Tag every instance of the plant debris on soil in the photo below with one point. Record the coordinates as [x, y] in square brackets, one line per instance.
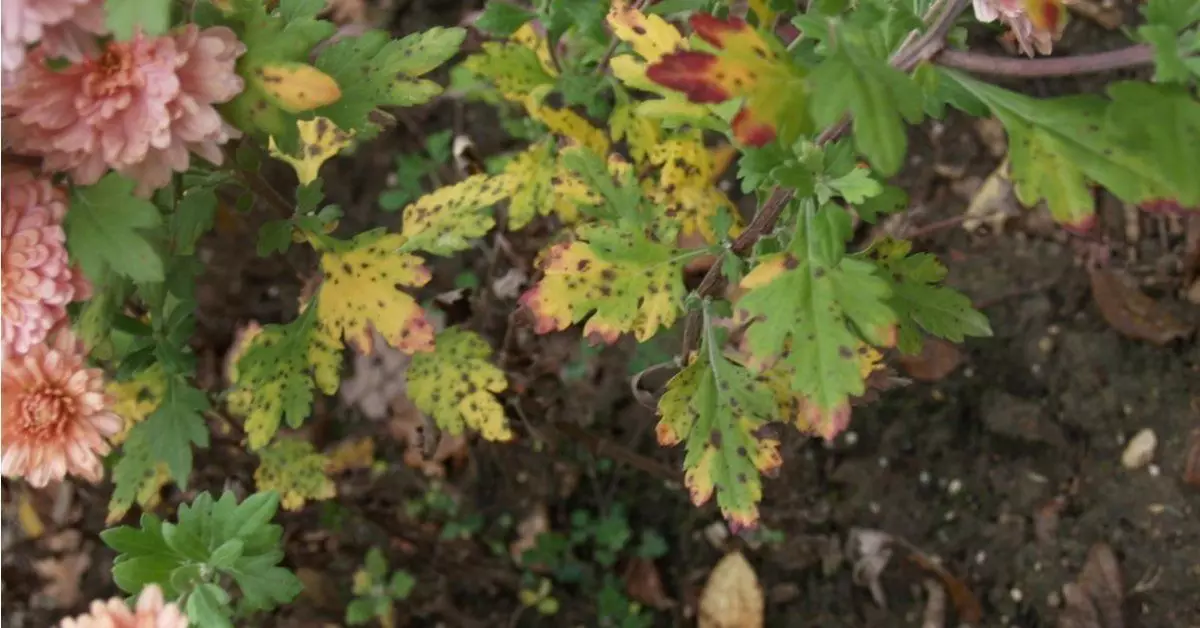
[993, 482]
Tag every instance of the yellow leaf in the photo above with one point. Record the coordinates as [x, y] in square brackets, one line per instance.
[148, 496]
[650, 35]
[296, 471]
[27, 516]
[569, 124]
[732, 598]
[136, 399]
[540, 184]
[364, 288]
[456, 385]
[445, 220]
[320, 139]
[686, 189]
[297, 87]
[639, 296]
[528, 37]
[356, 453]
[641, 133]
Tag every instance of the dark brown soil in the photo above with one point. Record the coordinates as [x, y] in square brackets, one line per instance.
[1007, 471]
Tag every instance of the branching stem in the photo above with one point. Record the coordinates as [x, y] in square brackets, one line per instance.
[1131, 57]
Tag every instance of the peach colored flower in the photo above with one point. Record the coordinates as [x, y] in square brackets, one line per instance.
[65, 28]
[55, 414]
[139, 107]
[38, 282]
[151, 611]
[1013, 13]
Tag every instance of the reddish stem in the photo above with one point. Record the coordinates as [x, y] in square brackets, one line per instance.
[1131, 57]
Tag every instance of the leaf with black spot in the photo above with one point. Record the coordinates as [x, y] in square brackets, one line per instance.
[457, 385]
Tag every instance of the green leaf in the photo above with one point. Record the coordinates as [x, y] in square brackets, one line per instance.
[401, 585]
[124, 17]
[1163, 121]
[133, 574]
[360, 611]
[879, 97]
[376, 564]
[920, 302]
[502, 19]
[1058, 144]
[227, 554]
[208, 606]
[267, 588]
[585, 17]
[166, 436]
[375, 71]
[193, 217]
[251, 515]
[815, 309]
[720, 410]
[274, 236]
[107, 229]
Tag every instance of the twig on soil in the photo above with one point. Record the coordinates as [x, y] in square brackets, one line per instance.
[1132, 57]
[905, 59]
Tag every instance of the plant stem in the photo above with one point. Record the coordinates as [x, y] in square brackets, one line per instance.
[1130, 57]
[909, 55]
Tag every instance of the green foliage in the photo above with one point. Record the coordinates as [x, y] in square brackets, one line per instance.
[212, 542]
[1171, 27]
[124, 17]
[108, 228]
[413, 169]
[375, 592]
[502, 19]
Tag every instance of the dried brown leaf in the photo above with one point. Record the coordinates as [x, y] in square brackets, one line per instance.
[938, 359]
[1131, 312]
[1191, 467]
[528, 531]
[732, 598]
[62, 576]
[643, 584]
[1094, 600]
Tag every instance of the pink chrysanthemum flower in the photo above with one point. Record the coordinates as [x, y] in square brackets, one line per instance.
[56, 416]
[38, 282]
[65, 28]
[151, 611]
[139, 107]
[1013, 13]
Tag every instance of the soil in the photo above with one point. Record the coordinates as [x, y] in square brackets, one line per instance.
[1005, 472]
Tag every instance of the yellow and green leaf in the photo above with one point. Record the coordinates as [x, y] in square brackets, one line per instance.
[320, 139]
[639, 293]
[457, 385]
[296, 87]
[721, 411]
[365, 288]
[538, 183]
[295, 470]
[746, 65]
[444, 220]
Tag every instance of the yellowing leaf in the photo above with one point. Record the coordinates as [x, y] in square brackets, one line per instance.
[539, 184]
[721, 411]
[356, 453]
[686, 190]
[456, 385]
[296, 87]
[641, 133]
[272, 379]
[444, 220]
[745, 65]
[518, 68]
[732, 597]
[571, 125]
[650, 35]
[528, 37]
[364, 288]
[135, 399]
[296, 471]
[320, 139]
[640, 293]
[807, 417]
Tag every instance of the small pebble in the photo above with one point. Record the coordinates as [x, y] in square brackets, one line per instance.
[1046, 344]
[1016, 595]
[954, 486]
[851, 439]
[924, 477]
[1140, 450]
[883, 462]
[1153, 470]
[980, 557]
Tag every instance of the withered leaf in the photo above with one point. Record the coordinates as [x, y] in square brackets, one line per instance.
[1131, 312]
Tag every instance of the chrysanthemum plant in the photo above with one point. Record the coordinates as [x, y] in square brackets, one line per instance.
[131, 125]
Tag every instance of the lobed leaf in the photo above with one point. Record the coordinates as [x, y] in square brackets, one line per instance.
[721, 411]
[456, 385]
[109, 228]
[538, 183]
[365, 288]
[745, 65]
[811, 303]
[296, 471]
[320, 139]
[640, 293]
[443, 221]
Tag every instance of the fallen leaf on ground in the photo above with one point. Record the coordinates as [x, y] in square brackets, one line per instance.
[27, 516]
[643, 584]
[1129, 311]
[993, 203]
[870, 550]
[378, 379]
[62, 576]
[1094, 599]
[732, 598]
[937, 359]
[1191, 468]
[355, 453]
